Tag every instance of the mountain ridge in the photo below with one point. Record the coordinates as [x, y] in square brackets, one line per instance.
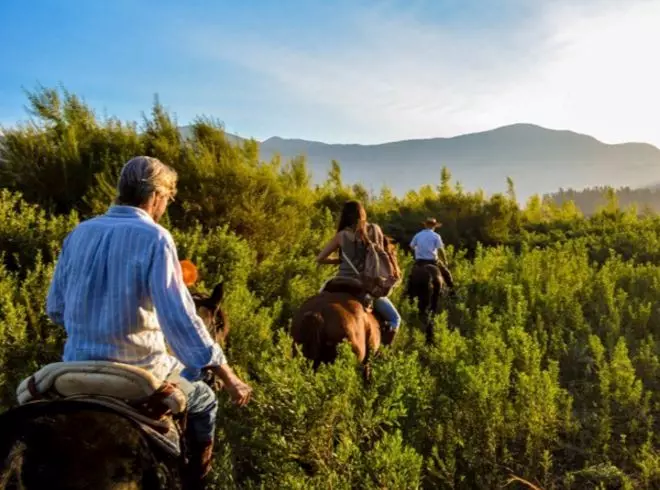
[513, 126]
[540, 160]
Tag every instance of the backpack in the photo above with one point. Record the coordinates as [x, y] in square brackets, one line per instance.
[381, 270]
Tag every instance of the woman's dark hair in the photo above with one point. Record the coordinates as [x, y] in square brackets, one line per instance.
[353, 216]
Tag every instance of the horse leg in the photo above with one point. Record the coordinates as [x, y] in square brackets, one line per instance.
[358, 337]
[372, 344]
[366, 366]
[435, 295]
[358, 345]
[10, 476]
[422, 302]
[429, 330]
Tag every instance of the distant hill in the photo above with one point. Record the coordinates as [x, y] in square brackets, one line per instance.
[186, 132]
[539, 160]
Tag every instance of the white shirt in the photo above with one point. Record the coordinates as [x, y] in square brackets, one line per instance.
[118, 291]
[426, 244]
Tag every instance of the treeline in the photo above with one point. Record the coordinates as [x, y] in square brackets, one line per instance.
[546, 368]
[591, 200]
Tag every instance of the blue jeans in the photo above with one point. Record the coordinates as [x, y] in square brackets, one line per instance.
[386, 309]
[202, 407]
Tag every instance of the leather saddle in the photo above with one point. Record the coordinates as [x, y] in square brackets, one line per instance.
[159, 408]
[349, 285]
[355, 288]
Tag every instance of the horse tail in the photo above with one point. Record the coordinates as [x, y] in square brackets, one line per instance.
[11, 475]
[435, 279]
[312, 333]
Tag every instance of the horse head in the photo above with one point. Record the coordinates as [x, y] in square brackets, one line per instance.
[209, 308]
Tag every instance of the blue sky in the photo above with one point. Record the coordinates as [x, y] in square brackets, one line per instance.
[360, 71]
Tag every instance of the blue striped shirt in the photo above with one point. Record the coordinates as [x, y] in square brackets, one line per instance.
[118, 291]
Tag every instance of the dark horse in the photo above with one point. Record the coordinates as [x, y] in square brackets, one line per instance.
[426, 284]
[336, 314]
[65, 444]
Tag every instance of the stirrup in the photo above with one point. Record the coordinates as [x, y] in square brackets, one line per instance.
[368, 303]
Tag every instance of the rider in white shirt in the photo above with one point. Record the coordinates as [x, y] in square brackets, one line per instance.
[118, 290]
[426, 244]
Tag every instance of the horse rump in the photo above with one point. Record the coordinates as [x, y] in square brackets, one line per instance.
[425, 284]
[311, 333]
[62, 445]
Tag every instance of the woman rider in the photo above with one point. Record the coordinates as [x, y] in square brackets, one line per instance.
[350, 239]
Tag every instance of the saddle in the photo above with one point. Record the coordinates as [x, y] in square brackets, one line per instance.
[352, 286]
[157, 408]
[426, 263]
[355, 288]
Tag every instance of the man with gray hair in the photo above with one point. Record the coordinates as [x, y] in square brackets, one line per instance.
[118, 291]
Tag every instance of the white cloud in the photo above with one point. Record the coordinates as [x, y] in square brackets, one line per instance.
[587, 67]
[602, 76]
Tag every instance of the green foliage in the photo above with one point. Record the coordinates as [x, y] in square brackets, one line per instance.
[547, 368]
[27, 337]
[26, 231]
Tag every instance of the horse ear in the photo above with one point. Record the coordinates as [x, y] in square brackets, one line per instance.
[217, 294]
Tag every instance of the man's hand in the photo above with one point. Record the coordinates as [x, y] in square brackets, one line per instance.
[239, 391]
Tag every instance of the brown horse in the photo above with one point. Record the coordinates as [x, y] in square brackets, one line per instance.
[63, 444]
[336, 314]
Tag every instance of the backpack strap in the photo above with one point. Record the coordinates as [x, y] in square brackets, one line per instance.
[377, 235]
[350, 263]
[370, 227]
